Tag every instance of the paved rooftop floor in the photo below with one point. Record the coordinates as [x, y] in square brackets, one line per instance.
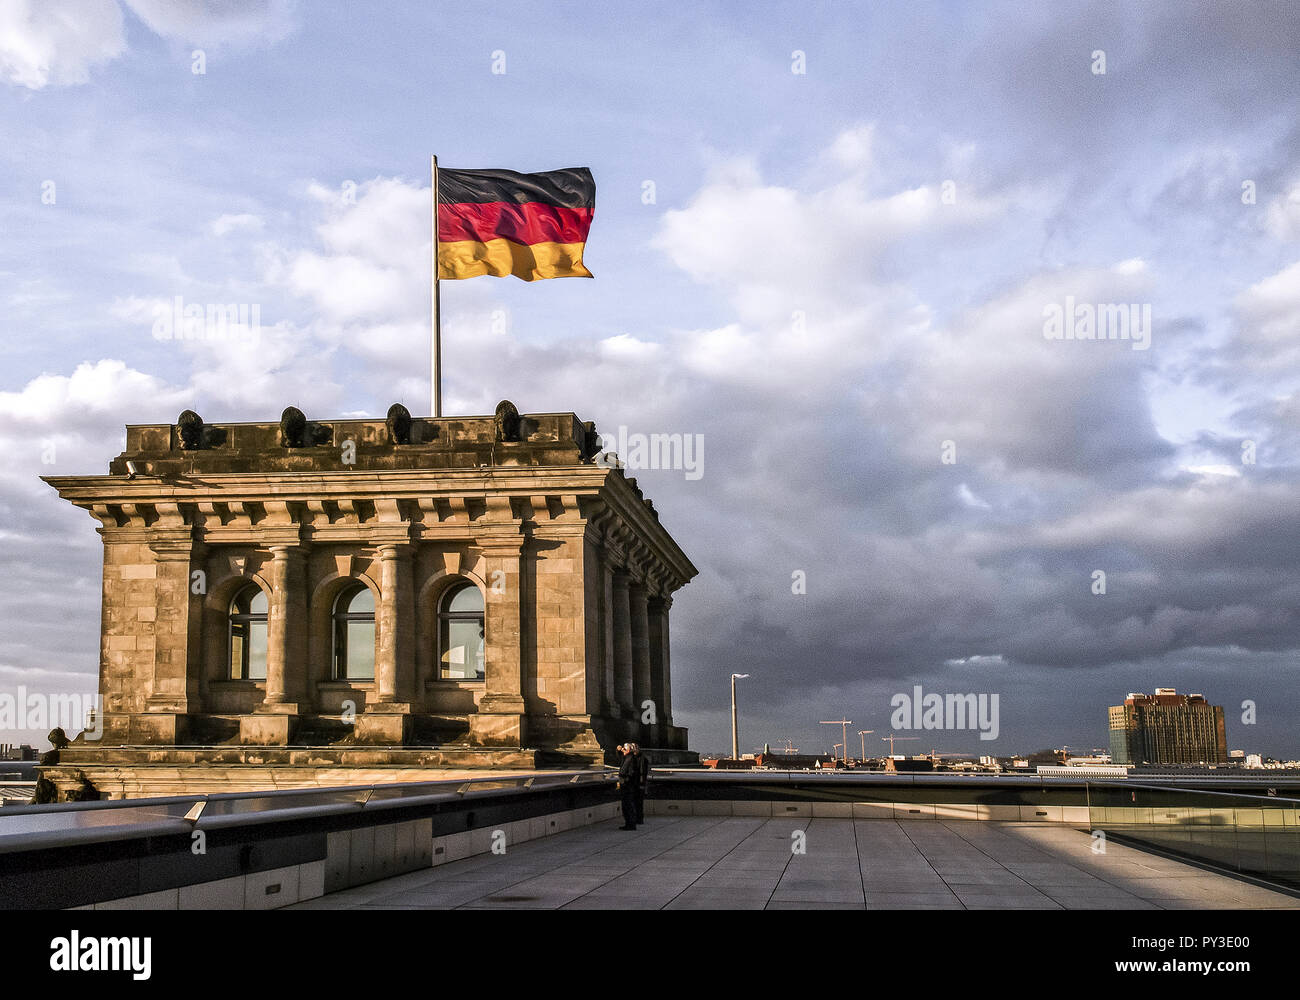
[700, 862]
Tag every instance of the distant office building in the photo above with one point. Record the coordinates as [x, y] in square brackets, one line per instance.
[1167, 728]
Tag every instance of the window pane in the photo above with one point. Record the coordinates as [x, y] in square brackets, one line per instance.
[462, 657]
[238, 637]
[250, 600]
[257, 651]
[360, 650]
[360, 602]
[466, 598]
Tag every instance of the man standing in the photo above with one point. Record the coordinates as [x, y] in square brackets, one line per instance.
[642, 779]
[629, 778]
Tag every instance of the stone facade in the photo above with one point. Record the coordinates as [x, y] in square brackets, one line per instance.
[575, 572]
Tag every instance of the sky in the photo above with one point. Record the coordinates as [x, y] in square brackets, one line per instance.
[828, 240]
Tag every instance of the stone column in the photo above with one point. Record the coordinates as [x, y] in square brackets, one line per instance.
[622, 622]
[641, 687]
[386, 626]
[609, 684]
[387, 720]
[660, 678]
[276, 626]
[501, 716]
[172, 692]
[275, 720]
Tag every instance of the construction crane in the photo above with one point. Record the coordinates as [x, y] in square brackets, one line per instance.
[863, 734]
[845, 723]
[891, 738]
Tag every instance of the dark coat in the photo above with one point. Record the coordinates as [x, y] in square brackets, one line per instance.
[629, 775]
[642, 769]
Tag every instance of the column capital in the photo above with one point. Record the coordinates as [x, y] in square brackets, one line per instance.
[175, 548]
[500, 547]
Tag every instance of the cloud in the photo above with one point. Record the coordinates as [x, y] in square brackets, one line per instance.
[1282, 217]
[218, 22]
[59, 42]
[46, 42]
[224, 224]
[775, 249]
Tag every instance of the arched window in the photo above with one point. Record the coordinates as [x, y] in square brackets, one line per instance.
[354, 634]
[460, 633]
[248, 634]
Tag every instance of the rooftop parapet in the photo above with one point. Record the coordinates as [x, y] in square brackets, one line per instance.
[299, 444]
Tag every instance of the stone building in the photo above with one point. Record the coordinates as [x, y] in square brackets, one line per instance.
[312, 602]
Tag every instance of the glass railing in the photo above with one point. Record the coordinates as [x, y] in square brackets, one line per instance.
[27, 827]
[1250, 834]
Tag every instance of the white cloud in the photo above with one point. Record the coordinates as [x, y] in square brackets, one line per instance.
[970, 499]
[217, 22]
[1282, 217]
[57, 41]
[774, 249]
[375, 266]
[1268, 330]
[44, 42]
[224, 224]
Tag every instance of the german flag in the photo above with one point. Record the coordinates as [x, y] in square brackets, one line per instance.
[502, 222]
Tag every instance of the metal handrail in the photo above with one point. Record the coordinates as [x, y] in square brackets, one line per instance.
[1130, 786]
[63, 824]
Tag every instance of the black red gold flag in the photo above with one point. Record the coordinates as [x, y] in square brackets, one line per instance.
[502, 222]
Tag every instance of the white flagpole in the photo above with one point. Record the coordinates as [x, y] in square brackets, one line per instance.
[435, 374]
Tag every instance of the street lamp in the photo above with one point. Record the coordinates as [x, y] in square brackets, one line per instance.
[735, 729]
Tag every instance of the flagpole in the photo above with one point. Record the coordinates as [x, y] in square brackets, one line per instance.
[435, 374]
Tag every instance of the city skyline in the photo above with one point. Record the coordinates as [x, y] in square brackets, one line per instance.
[836, 265]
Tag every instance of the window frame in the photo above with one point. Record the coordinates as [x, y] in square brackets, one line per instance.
[339, 622]
[445, 618]
[247, 619]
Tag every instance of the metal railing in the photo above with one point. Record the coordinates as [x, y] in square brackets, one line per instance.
[1249, 834]
[25, 828]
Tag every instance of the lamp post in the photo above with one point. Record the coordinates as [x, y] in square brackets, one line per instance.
[735, 729]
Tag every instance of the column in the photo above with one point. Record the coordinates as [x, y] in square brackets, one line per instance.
[386, 626]
[168, 641]
[660, 684]
[641, 689]
[387, 720]
[662, 674]
[622, 622]
[274, 721]
[276, 626]
[609, 686]
[501, 715]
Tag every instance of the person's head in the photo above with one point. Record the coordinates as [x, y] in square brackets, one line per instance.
[633, 748]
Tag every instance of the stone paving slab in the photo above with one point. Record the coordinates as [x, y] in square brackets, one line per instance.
[743, 862]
